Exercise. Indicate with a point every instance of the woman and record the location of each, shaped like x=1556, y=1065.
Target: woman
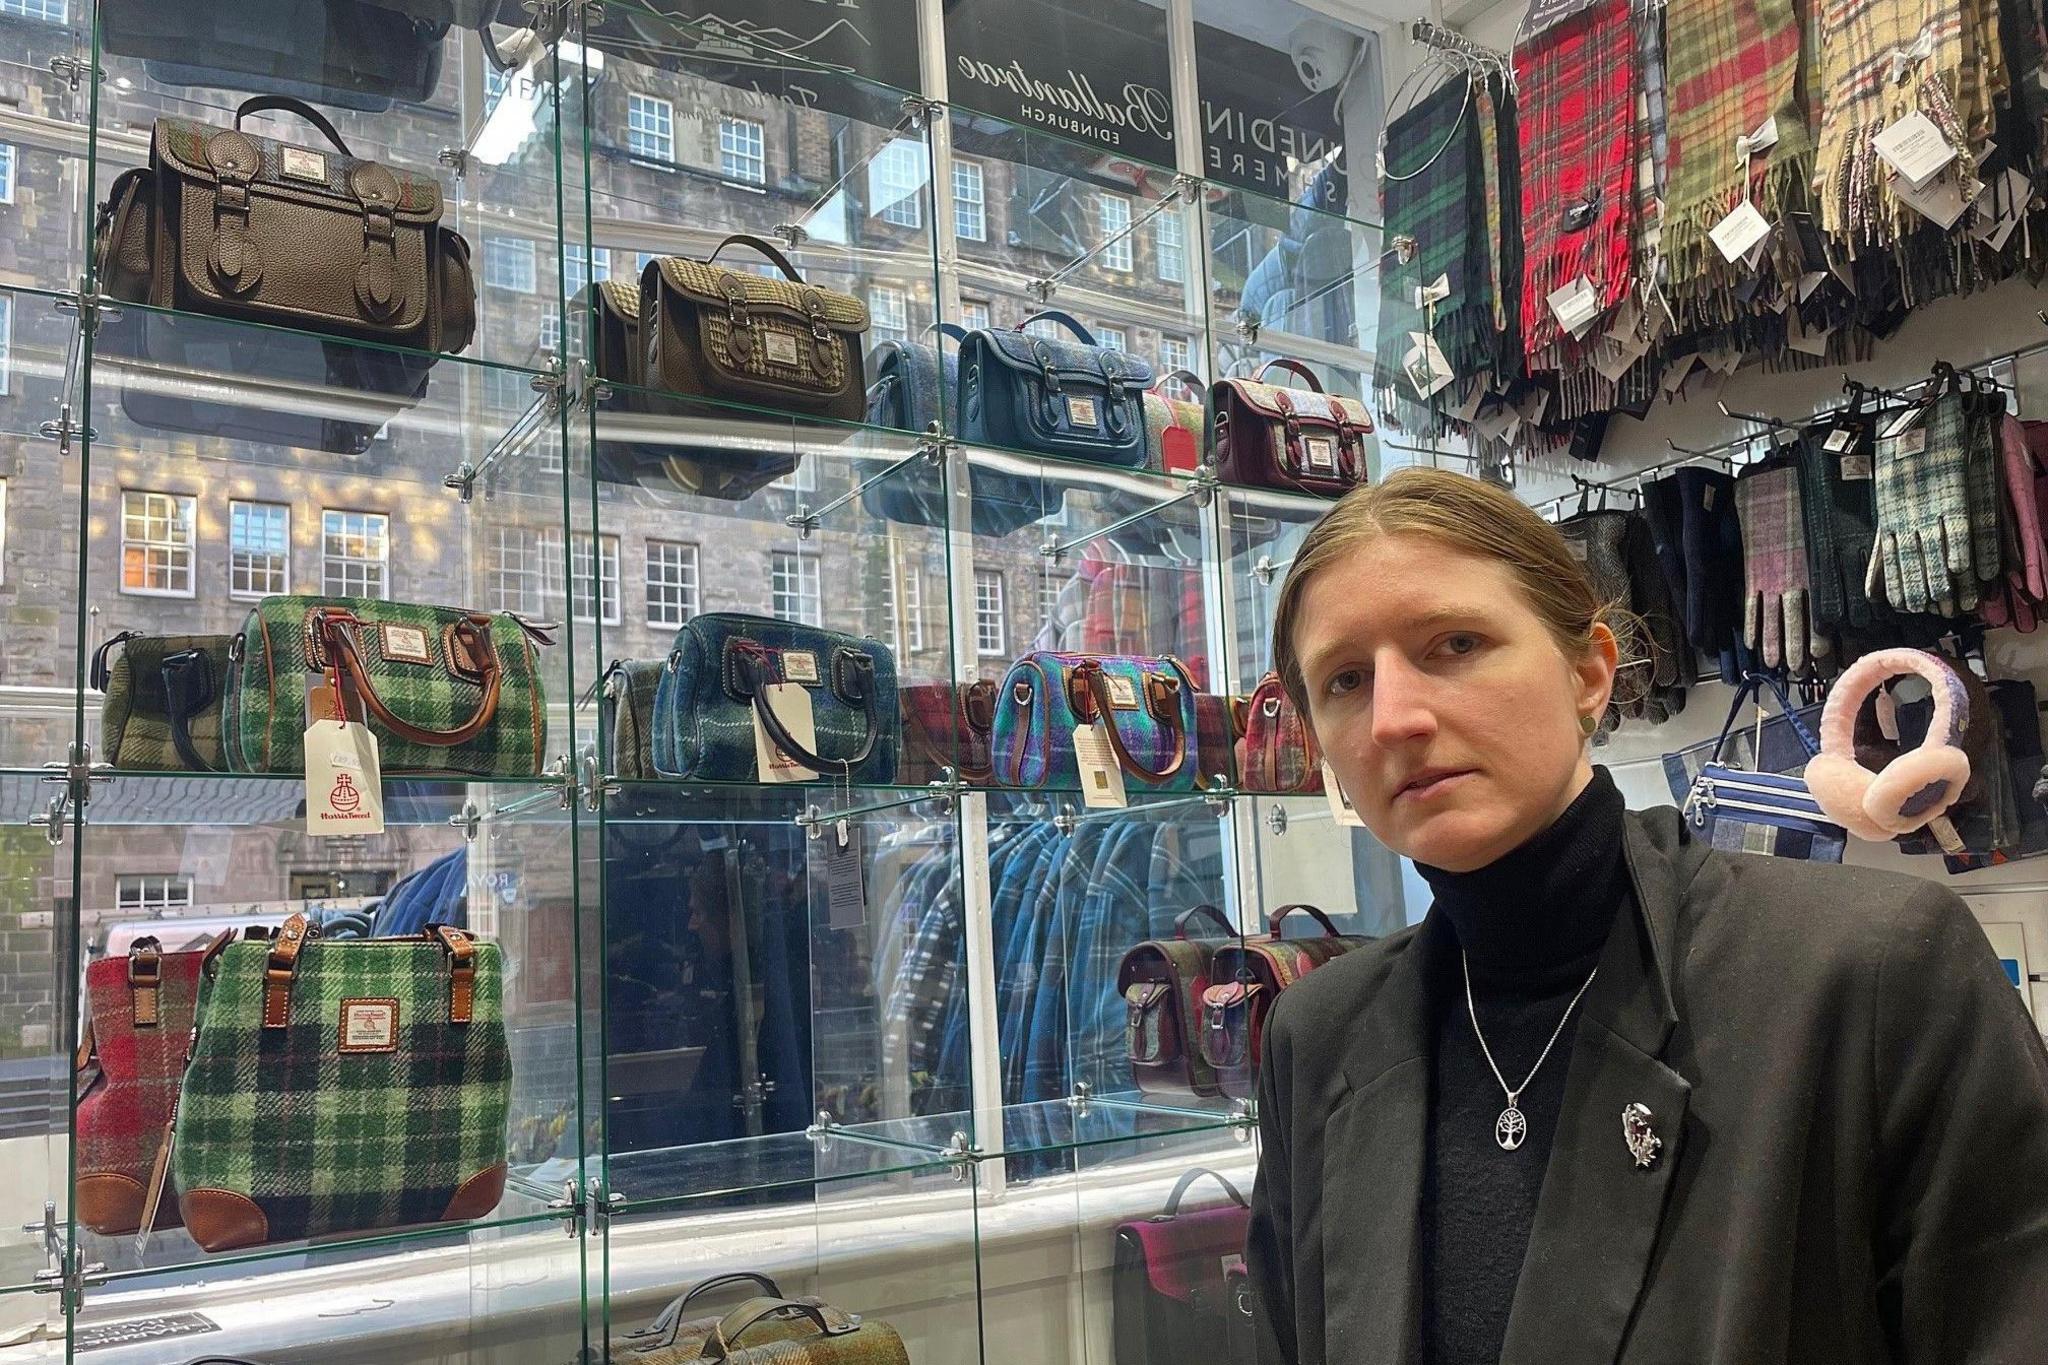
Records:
x=1618, y=1097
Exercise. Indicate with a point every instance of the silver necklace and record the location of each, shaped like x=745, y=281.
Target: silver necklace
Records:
x=1512, y=1126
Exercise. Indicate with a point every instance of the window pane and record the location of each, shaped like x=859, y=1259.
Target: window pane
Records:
x=896, y=183
x=6, y=342
x=148, y=895
x=156, y=544
x=794, y=588
x=671, y=583
x=650, y=128
x=743, y=150
x=259, y=549
x=988, y=611
x=1115, y=213
x=53, y=11
x=517, y=571
x=970, y=215
x=1169, y=246
x=508, y=264
x=594, y=577
x=354, y=552
x=889, y=314
x=6, y=173
x=974, y=314
x=1113, y=337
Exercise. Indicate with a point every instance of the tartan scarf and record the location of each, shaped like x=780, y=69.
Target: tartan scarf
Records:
x=1729, y=64
x=1433, y=195
x=1576, y=104
x=1497, y=172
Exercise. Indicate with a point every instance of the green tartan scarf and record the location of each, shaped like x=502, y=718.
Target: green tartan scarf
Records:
x=1729, y=65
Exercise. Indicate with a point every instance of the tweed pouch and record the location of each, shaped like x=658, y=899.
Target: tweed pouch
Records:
x=705, y=703
x=1249, y=977
x=444, y=690
x=129, y=1065
x=946, y=725
x=827, y=1337
x=1053, y=397
x=163, y=701
x=1301, y=440
x=715, y=332
x=1161, y=982
x=627, y=718
x=1148, y=702
x=341, y=1085
x=1277, y=753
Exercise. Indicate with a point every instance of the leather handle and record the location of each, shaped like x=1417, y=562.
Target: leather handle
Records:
x=719, y=1345
x=766, y=248
x=285, y=104
x=188, y=688
x=1294, y=367
x=753, y=1277
x=1097, y=683
x=1187, y=377
x=670, y=1323
x=1187, y=917
x=1066, y=320
x=1180, y=1188
x=946, y=329
x=1273, y=920
x=339, y=632
x=779, y=735
x=102, y=672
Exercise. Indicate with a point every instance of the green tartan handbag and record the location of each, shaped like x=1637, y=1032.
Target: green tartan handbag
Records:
x=444, y=690
x=342, y=1085
x=163, y=701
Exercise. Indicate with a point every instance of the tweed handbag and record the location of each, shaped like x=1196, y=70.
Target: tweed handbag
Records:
x=343, y=1085
x=626, y=719
x=1148, y=704
x=749, y=1335
x=1175, y=429
x=731, y=335
x=1741, y=811
x=1277, y=753
x=710, y=693
x=1171, y=1292
x=130, y=1061
x=1302, y=440
x=229, y=224
x=947, y=725
x=912, y=381
x=1074, y=399
x=676, y=1338
x=163, y=701
x=444, y=690
x=1246, y=978
x=1161, y=982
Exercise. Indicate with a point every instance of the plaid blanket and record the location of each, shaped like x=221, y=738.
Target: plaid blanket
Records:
x=1730, y=64
x=1576, y=84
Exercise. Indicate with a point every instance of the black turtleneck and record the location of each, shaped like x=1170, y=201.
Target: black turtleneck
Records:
x=1532, y=925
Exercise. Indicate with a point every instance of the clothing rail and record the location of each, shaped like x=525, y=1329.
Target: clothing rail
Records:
x=1456, y=45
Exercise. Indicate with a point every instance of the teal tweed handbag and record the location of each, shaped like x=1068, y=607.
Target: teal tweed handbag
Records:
x=1150, y=704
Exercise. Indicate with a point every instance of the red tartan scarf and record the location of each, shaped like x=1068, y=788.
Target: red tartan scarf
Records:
x=1576, y=102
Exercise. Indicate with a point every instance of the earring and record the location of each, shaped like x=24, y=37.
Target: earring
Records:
x=1588, y=724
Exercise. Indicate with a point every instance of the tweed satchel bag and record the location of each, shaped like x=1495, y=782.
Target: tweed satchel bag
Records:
x=1175, y=429
x=1300, y=440
x=130, y=1061
x=676, y=1338
x=1246, y=978
x=343, y=1085
x=719, y=333
x=1170, y=1290
x=626, y=719
x=712, y=689
x=444, y=690
x=1074, y=399
x=1277, y=753
x=1161, y=982
x=749, y=1335
x=163, y=701
x=1149, y=704
x=226, y=223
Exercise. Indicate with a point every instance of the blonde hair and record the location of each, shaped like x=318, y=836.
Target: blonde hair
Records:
x=1463, y=514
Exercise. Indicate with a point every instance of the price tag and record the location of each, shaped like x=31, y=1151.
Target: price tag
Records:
x=1614, y=355
x=1914, y=148
x=1809, y=282
x=1940, y=201
x=1839, y=440
x=1741, y=232
x=846, y=877
x=1908, y=444
x=791, y=704
x=1434, y=292
x=1903, y=422
x=1677, y=372
x=1425, y=364
x=1576, y=305
x=1102, y=781
x=1467, y=410
x=1341, y=809
x=1807, y=340
x=1762, y=140
x=1857, y=467
x=344, y=783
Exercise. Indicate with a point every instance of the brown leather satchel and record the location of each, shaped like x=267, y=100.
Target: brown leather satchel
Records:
x=715, y=332
x=839, y=1339
x=226, y=223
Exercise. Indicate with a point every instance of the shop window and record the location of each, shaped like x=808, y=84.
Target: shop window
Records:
x=152, y=895
x=594, y=577
x=259, y=549
x=989, y=633
x=907, y=626
x=516, y=561
x=355, y=554
x=508, y=264
x=888, y=314
x=974, y=314
x=157, y=542
x=970, y=201
x=1170, y=247
x=582, y=264
x=671, y=583
x=1116, y=338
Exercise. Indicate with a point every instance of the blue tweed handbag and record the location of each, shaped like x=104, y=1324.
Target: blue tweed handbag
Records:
x=710, y=692
x=1073, y=399
x=1739, y=810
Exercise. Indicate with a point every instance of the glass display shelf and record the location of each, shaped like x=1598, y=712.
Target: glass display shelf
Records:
x=123, y=797
x=676, y=1177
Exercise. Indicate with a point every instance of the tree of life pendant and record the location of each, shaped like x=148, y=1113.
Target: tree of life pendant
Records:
x=1510, y=1128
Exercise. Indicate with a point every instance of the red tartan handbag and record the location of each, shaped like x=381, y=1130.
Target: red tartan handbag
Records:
x=130, y=1064
x=947, y=725
x=1277, y=752
x=1248, y=977
x=1161, y=982
x=1301, y=440
x=1177, y=1286
x=1219, y=734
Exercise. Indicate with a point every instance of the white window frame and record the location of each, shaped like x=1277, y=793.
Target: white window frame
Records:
x=906, y=627
x=1115, y=338
x=334, y=568
x=594, y=578
x=796, y=575
x=1113, y=215
x=970, y=200
x=674, y=582
x=49, y=11
x=10, y=167
x=896, y=181
x=651, y=130
x=1048, y=597
x=244, y=574
x=1170, y=247
x=975, y=314
x=748, y=164
x=182, y=507
x=888, y=313
x=6, y=344
x=151, y=895
x=510, y=264
x=991, y=630
x=583, y=264
x=518, y=570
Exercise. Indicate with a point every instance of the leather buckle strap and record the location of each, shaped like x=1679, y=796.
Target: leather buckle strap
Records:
x=145, y=979
x=755, y=667
x=461, y=971
x=279, y=970
x=1095, y=683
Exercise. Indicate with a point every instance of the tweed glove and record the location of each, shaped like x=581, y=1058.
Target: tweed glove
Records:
x=1776, y=586
x=1924, y=558
x=1836, y=500
x=2015, y=598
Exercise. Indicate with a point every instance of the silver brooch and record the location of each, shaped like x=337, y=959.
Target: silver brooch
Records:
x=1643, y=1142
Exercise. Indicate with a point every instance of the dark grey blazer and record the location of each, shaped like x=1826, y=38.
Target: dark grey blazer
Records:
x=1853, y=1106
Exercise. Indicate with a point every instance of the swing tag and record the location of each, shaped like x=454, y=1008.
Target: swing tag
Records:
x=1341, y=809
x=1915, y=148
x=1741, y=232
x=791, y=703
x=1102, y=781
x=846, y=880
x=1576, y=305
x=344, y=784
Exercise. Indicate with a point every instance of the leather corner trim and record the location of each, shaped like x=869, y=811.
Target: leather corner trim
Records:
x=478, y=1196
x=222, y=1220
x=108, y=1202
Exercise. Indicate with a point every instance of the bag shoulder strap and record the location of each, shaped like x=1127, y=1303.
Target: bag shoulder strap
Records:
x=767, y=249
x=285, y=104
x=1066, y=320
x=1180, y=1188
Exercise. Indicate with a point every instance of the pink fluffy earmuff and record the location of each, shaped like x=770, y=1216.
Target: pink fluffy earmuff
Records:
x=1915, y=788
